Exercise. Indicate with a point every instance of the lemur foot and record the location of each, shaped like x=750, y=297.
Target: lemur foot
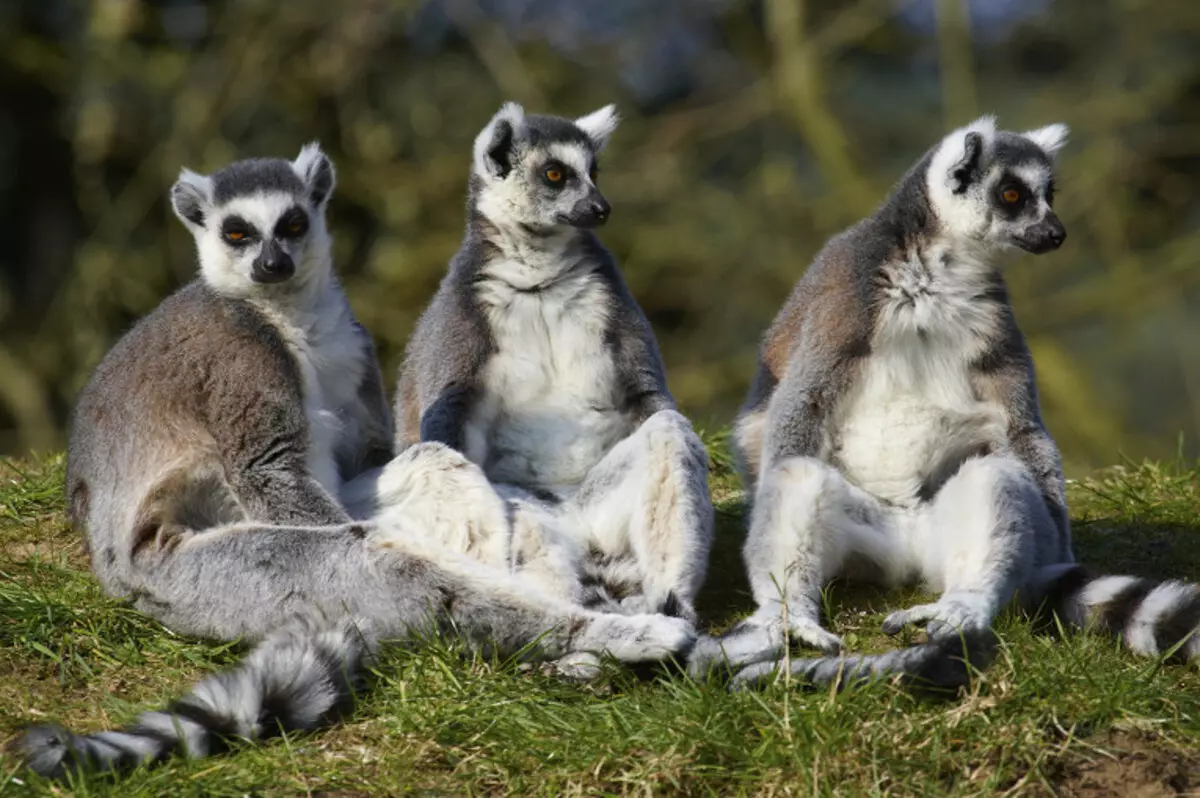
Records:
x=578, y=666
x=813, y=635
x=750, y=642
x=951, y=614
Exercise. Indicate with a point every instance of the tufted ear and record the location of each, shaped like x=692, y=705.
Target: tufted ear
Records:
x=191, y=198
x=966, y=170
x=967, y=147
x=316, y=170
x=599, y=125
x=494, y=144
x=1050, y=138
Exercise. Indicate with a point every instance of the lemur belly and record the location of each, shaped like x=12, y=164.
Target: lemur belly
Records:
x=550, y=407
x=912, y=412
x=897, y=432
x=329, y=352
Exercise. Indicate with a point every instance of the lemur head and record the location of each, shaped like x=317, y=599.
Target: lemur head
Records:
x=996, y=187
x=538, y=173
x=259, y=224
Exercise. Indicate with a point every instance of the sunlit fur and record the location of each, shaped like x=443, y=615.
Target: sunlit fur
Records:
x=969, y=218
x=512, y=193
x=535, y=366
x=216, y=460
x=227, y=267
x=894, y=433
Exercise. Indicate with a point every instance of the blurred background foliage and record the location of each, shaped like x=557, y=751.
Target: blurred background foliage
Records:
x=752, y=132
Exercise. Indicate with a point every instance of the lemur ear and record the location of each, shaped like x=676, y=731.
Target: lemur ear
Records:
x=599, y=125
x=963, y=152
x=191, y=197
x=316, y=170
x=966, y=170
x=494, y=144
x=1050, y=138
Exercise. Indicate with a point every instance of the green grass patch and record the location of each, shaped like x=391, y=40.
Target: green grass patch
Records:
x=1073, y=716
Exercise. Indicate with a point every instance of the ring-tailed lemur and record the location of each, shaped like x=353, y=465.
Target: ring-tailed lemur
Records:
x=535, y=377
x=893, y=430
x=206, y=458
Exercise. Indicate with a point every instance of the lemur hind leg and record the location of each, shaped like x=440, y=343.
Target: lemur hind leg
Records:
x=545, y=546
x=434, y=493
x=648, y=498
x=807, y=522
x=976, y=541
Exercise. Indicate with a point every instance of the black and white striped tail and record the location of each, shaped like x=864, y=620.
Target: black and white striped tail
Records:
x=1152, y=617
x=297, y=679
x=943, y=663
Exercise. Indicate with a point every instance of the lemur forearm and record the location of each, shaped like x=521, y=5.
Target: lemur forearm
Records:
x=800, y=408
x=444, y=420
x=796, y=427
x=643, y=405
x=1036, y=449
x=378, y=442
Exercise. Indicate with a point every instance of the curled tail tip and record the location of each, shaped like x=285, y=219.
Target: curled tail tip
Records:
x=48, y=750
x=297, y=679
x=41, y=749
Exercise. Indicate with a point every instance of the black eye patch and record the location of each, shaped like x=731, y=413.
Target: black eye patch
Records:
x=293, y=224
x=237, y=231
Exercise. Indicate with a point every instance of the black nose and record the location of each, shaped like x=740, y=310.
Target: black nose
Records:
x=1056, y=233
x=1050, y=234
x=1046, y=235
x=601, y=209
x=591, y=211
x=272, y=265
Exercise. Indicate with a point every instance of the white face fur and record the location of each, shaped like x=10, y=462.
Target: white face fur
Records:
x=996, y=188
x=539, y=172
x=259, y=225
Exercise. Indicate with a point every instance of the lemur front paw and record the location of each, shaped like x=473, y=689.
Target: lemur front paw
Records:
x=707, y=656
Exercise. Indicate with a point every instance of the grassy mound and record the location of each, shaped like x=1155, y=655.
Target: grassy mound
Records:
x=1074, y=716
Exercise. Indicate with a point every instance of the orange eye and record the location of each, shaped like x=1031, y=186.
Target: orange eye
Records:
x=235, y=235
x=1010, y=195
x=554, y=175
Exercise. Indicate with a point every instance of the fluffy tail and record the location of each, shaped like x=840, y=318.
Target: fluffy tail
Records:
x=1151, y=617
x=297, y=679
x=942, y=663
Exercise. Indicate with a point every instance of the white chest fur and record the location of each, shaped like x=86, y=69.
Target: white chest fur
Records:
x=912, y=407
x=329, y=352
x=550, y=409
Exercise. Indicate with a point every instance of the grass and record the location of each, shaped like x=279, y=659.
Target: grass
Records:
x=1073, y=716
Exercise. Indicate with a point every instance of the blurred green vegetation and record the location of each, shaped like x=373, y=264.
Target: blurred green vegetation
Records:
x=752, y=132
